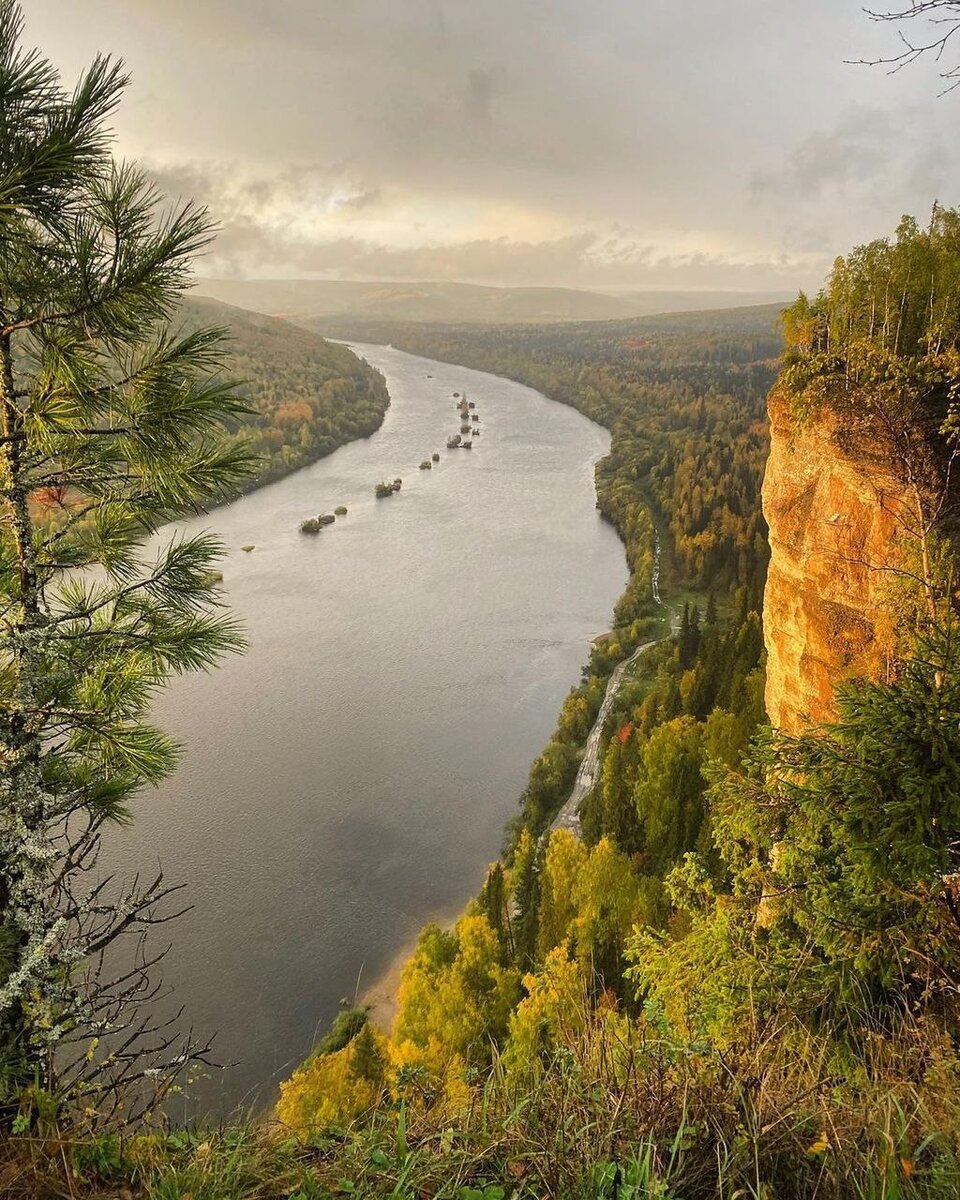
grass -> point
(618, 1111)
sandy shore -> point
(381, 995)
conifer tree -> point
(109, 426)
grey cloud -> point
(682, 125)
(231, 195)
(246, 249)
(860, 147)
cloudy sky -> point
(609, 144)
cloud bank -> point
(619, 144)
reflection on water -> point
(351, 775)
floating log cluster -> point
(468, 421)
(315, 524)
(459, 441)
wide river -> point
(349, 778)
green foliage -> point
(305, 396)
(346, 1026)
(115, 423)
(838, 851)
(898, 299)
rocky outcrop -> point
(832, 508)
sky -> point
(605, 144)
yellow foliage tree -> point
(335, 1089)
(554, 1010)
(565, 862)
(591, 897)
(607, 896)
(455, 1000)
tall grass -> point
(616, 1109)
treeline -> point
(742, 978)
(684, 398)
(307, 396)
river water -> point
(349, 777)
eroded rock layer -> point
(833, 516)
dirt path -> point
(569, 816)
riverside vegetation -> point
(742, 981)
(306, 396)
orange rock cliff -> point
(833, 536)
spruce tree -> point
(109, 426)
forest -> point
(305, 396)
(742, 978)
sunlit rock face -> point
(833, 511)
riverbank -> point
(381, 997)
(404, 668)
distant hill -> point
(758, 320)
(310, 396)
(458, 302)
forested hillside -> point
(307, 395)
(547, 939)
(393, 300)
(738, 979)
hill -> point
(446, 302)
(310, 396)
(687, 328)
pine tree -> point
(109, 426)
(492, 902)
(525, 896)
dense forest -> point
(741, 979)
(306, 396)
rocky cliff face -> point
(832, 511)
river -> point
(350, 776)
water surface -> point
(350, 777)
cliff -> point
(832, 511)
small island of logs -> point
(315, 524)
(458, 441)
(469, 419)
